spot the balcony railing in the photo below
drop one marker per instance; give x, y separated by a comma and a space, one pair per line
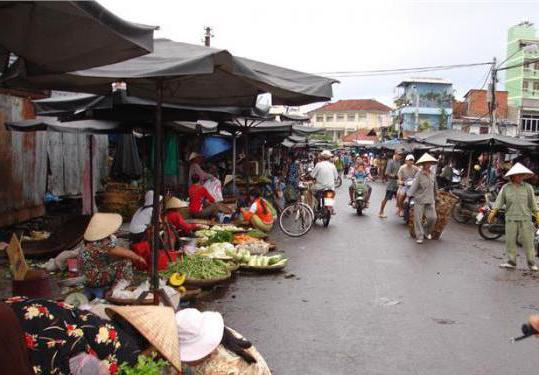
531, 73
533, 94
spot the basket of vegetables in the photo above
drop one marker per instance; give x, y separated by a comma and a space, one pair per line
200, 271
257, 263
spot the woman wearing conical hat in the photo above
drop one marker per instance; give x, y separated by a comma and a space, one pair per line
423, 190
520, 204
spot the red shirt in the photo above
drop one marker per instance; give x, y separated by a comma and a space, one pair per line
197, 194
176, 219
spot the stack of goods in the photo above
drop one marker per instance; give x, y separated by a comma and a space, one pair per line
121, 198
251, 244
445, 201
444, 204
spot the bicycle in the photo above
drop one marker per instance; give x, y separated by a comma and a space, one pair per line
297, 218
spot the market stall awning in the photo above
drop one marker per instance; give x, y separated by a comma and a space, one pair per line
492, 141
307, 130
84, 126
198, 127
193, 75
294, 117
401, 145
119, 106
438, 138
63, 36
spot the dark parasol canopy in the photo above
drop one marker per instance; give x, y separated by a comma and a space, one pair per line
63, 36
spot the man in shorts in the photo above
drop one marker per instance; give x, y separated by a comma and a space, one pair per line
391, 172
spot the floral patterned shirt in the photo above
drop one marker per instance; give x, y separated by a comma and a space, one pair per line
54, 332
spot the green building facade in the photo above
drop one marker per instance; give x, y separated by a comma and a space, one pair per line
522, 82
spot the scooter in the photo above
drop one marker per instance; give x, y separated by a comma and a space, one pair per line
467, 206
497, 229
324, 206
408, 201
360, 193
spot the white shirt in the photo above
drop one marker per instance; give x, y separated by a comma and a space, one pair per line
325, 174
141, 220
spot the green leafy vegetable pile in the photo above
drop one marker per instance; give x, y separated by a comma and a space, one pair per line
144, 366
198, 267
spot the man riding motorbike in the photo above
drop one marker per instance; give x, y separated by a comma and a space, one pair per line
406, 173
359, 175
324, 174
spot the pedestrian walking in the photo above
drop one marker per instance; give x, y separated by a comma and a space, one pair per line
423, 190
520, 204
391, 171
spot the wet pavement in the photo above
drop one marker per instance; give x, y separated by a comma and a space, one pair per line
360, 297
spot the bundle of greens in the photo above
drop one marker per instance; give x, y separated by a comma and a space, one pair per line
144, 366
220, 236
198, 267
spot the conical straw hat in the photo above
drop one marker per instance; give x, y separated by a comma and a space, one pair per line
518, 169
426, 158
175, 203
194, 155
102, 225
228, 179
157, 324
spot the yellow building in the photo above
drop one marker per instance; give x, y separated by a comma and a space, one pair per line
347, 116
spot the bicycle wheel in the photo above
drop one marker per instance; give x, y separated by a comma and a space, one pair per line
296, 219
338, 182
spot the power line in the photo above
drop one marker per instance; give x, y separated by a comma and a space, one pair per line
381, 72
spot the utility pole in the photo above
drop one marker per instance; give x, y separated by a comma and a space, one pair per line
492, 97
208, 34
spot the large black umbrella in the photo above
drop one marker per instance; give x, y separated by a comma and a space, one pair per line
63, 36
193, 75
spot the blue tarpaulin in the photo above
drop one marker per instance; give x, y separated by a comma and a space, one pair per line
213, 146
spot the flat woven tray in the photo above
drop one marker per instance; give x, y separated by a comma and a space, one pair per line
262, 269
132, 301
209, 282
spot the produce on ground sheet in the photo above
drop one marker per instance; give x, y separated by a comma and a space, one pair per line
198, 267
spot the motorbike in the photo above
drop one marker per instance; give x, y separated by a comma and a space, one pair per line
325, 202
497, 229
467, 206
360, 193
408, 202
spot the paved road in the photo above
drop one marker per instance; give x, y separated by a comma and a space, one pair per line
365, 299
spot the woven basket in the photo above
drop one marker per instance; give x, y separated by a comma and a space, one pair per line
445, 202
207, 283
262, 269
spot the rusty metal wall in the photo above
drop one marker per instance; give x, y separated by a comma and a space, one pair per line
67, 155
23, 165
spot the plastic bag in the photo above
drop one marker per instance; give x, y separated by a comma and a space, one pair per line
213, 185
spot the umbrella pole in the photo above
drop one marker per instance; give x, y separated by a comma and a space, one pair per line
91, 147
234, 162
470, 166
157, 177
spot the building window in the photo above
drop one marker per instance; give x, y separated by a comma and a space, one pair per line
362, 116
530, 123
340, 117
351, 117
329, 118
536, 66
536, 86
525, 86
319, 118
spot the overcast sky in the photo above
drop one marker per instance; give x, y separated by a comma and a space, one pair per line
331, 36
